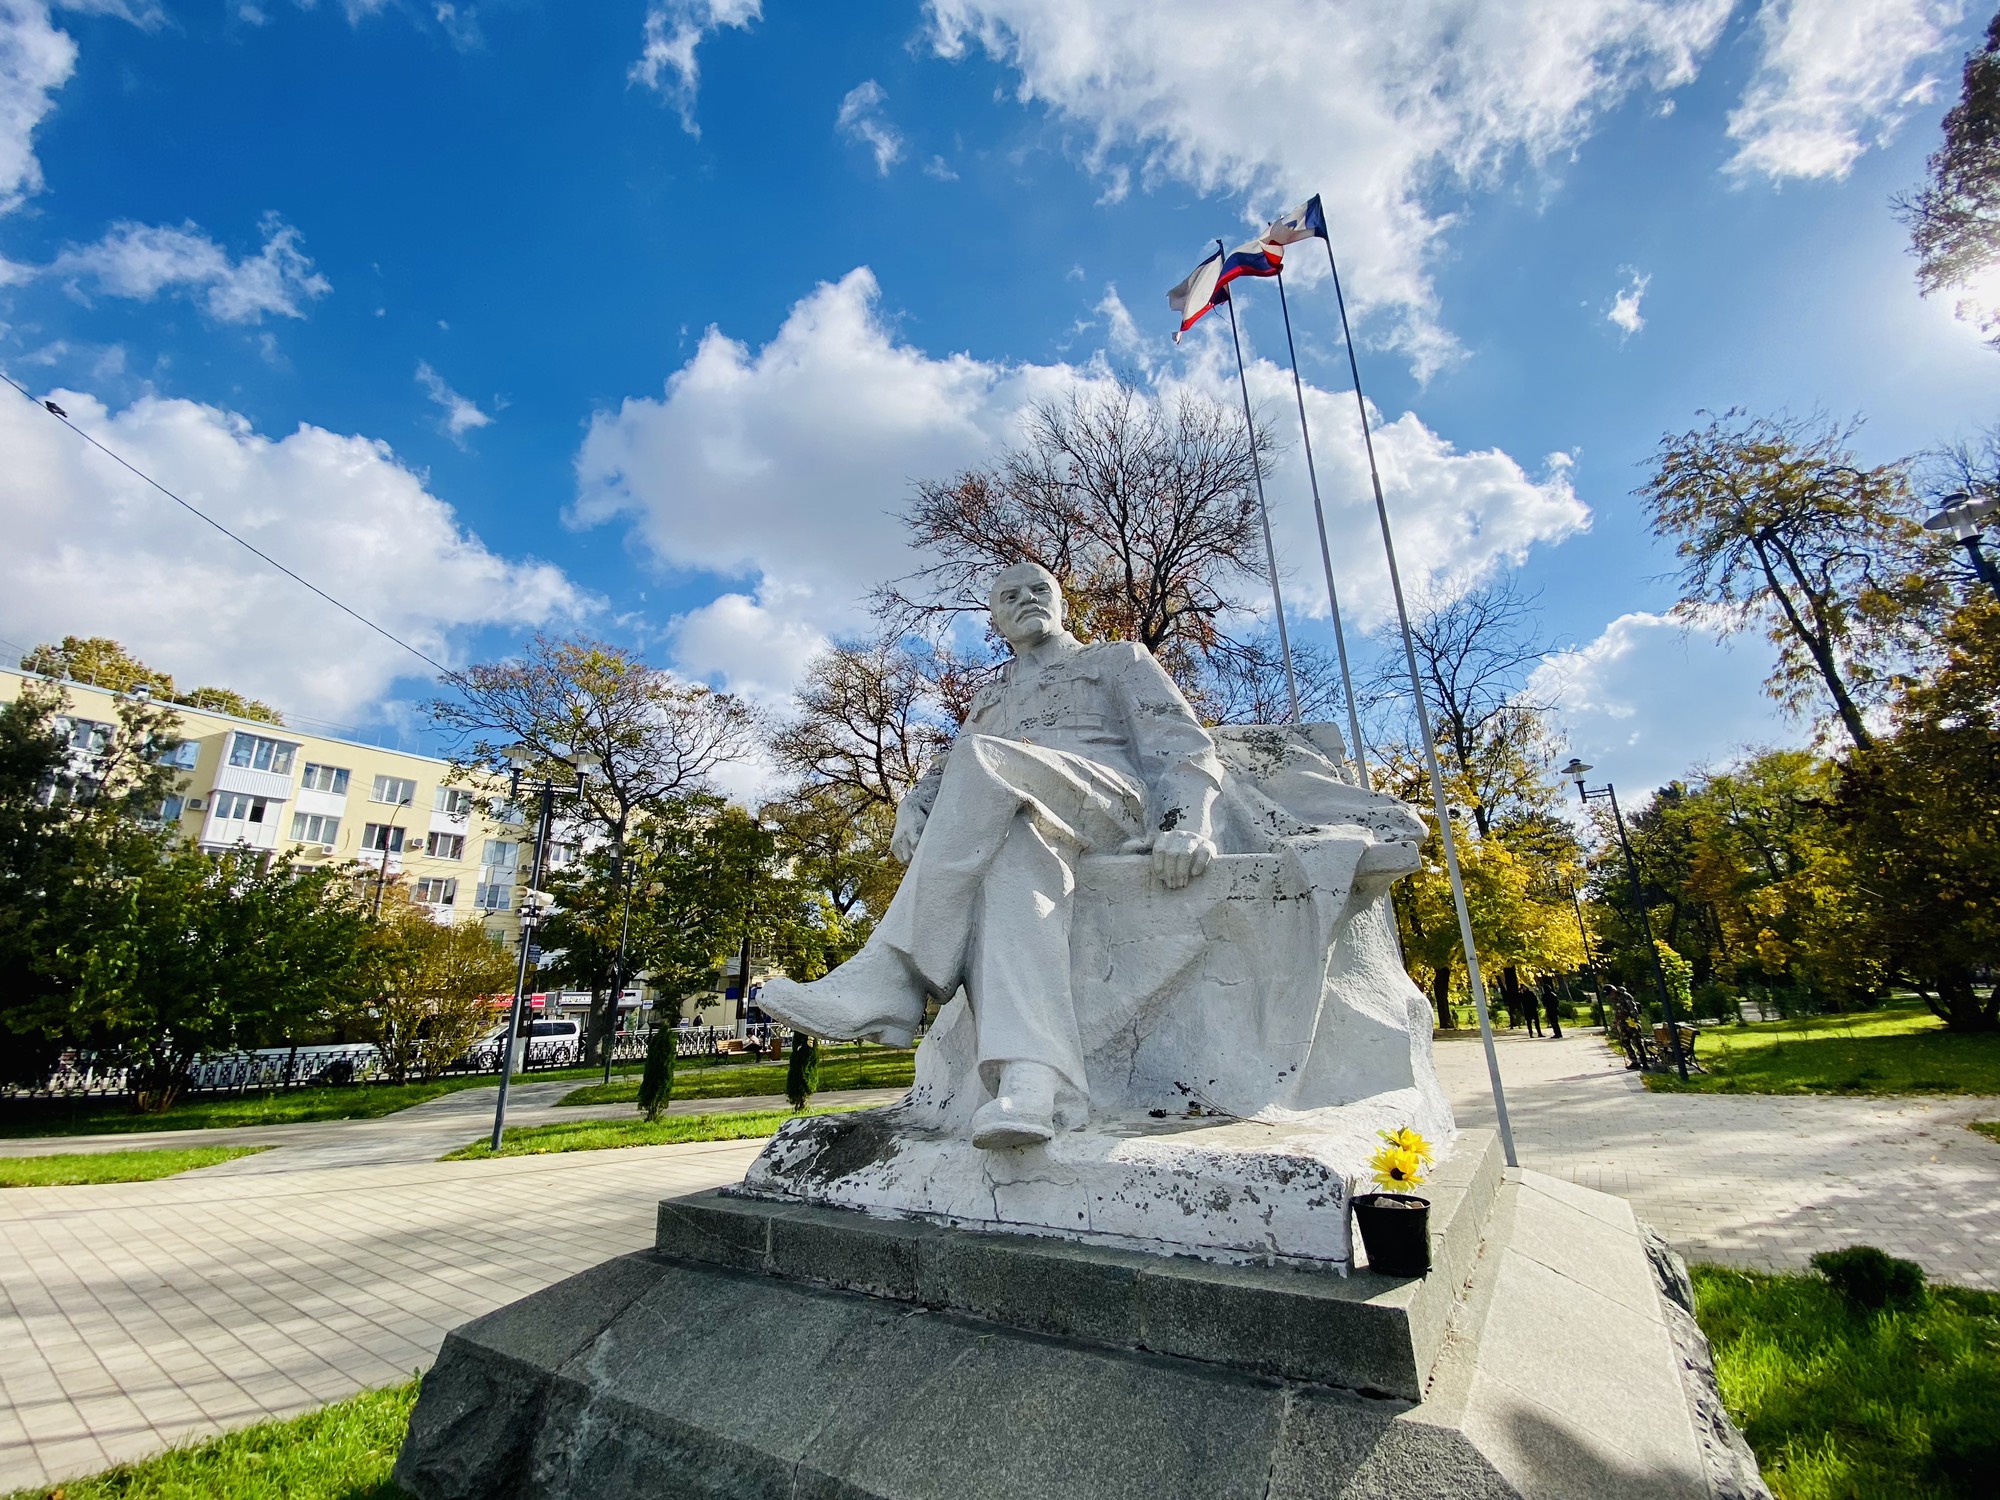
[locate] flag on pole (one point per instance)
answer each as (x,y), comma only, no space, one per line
(1306,222)
(1207,285)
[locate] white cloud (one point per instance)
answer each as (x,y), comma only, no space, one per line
(1836,76)
(1648,701)
(140,261)
(145,14)
(1376,107)
(91,550)
(783,468)
(1624,314)
(460,415)
(460,24)
(674,29)
(940,169)
(35,61)
(861,119)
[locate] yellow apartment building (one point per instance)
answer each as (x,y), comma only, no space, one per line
(281,789)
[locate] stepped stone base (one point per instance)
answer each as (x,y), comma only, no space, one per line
(766,1350)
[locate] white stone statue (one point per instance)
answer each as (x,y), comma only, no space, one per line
(1176,1011)
(1077,750)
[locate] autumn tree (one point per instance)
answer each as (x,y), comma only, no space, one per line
(102,662)
(1476,650)
(1921,810)
(1144,508)
(1954,218)
(654,740)
(1778,524)
(429,987)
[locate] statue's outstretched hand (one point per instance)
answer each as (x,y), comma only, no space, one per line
(911,815)
(1178,857)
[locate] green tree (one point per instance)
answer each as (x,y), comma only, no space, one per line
(1777,523)
(184,953)
(1954,218)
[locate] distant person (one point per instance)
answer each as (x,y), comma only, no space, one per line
(1521,1001)
(1552,1007)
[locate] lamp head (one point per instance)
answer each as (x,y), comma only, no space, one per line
(519,756)
(1575,771)
(1963,515)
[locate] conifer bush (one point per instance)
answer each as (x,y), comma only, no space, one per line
(656,1083)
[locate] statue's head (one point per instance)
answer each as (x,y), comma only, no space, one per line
(1027,604)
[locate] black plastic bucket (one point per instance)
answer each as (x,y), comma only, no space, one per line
(1396,1229)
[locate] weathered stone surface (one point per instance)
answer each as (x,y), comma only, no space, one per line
(657,1377)
(1363,1332)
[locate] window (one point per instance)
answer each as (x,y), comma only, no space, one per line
(500,854)
(312,828)
(326,779)
(255,753)
(85,734)
(453,802)
(239,807)
(169,811)
(559,856)
(181,754)
(447,846)
(493,897)
(437,890)
(381,838)
(393,790)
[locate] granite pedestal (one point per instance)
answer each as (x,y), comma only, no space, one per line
(766,1349)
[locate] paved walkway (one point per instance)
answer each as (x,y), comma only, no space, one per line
(146,1313)
(1747,1179)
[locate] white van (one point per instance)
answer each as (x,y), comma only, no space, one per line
(551,1044)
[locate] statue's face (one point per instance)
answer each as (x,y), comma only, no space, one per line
(1027,605)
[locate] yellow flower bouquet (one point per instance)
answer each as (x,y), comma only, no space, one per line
(1394,1223)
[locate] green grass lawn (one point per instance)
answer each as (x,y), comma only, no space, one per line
(1987,1128)
(841,1066)
(1875,1052)
(610,1135)
(357,1101)
(340,1452)
(113,1166)
(1902,1404)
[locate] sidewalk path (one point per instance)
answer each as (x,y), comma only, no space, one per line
(1751,1179)
(141,1314)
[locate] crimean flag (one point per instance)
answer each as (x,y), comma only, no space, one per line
(1306,222)
(1207,286)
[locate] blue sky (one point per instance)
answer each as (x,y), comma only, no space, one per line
(640,317)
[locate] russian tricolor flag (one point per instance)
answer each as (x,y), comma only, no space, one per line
(1208,284)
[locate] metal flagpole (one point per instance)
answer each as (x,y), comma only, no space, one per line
(1257,468)
(1477,984)
(1357,750)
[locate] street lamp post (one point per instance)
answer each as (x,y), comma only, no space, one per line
(1964,517)
(1589,957)
(618,970)
(520,757)
(382,869)
(1576,771)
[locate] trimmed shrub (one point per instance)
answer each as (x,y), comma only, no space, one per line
(1870,1278)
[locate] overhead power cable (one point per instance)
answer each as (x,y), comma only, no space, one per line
(63,417)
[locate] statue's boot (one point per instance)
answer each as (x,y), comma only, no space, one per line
(874,994)
(1024,1112)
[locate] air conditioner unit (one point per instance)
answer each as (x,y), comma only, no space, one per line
(195,804)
